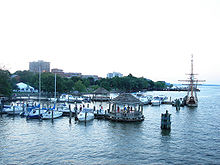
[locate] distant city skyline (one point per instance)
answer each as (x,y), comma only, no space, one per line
(151,39)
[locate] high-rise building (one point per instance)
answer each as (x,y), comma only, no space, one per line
(40,65)
(114,74)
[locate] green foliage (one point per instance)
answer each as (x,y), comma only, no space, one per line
(130,84)
(5,83)
(79,86)
(127,83)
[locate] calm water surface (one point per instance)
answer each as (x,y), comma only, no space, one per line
(193,139)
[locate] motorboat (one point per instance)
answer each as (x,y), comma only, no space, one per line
(37,113)
(146,99)
(5,107)
(49,114)
(63,98)
(64,109)
(14,110)
(100,113)
(28,109)
(156,101)
(162,98)
(86,114)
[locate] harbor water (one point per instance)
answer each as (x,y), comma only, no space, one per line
(194,137)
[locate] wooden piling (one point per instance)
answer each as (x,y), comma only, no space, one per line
(70,117)
(165,121)
(52,115)
(13,110)
(85,116)
(1,108)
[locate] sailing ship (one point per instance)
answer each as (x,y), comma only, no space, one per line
(191,97)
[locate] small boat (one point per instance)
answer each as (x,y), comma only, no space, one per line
(36,113)
(162,98)
(156,101)
(146,99)
(14,110)
(64,109)
(86,114)
(100,113)
(5,107)
(49,114)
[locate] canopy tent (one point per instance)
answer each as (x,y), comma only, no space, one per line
(22,87)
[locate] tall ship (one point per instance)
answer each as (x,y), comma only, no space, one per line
(191,97)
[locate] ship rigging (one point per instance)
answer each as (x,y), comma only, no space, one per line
(192,82)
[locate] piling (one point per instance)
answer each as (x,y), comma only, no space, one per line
(177,104)
(39,112)
(13,111)
(165,121)
(1,108)
(70,114)
(85,116)
(52,115)
(23,107)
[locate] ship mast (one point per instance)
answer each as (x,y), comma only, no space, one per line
(192,83)
(191,77)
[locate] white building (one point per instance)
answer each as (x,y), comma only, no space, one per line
(114,74)
(22,87)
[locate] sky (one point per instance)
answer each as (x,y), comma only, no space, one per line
(147,38)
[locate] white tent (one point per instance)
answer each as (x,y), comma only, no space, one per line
(22,87)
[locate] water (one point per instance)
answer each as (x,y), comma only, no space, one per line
(194,137)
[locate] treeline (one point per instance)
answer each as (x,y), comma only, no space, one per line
(68,85)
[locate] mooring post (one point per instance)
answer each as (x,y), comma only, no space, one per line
(85,116)
(23,107)
(13,111)
(1,107)
(52,115)
(39,113)
(70,114)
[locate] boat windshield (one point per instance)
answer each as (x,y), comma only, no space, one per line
(87,110)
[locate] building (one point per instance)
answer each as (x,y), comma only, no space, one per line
(40,65)
(58,72)
(114,74)
(95,77)
(70,74)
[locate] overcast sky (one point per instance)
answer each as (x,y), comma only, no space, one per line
(149,38)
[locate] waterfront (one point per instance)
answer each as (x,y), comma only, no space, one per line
(194,137)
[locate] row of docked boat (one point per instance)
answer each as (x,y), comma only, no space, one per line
(37,112)
(70,98)
(154,101)
(32,111)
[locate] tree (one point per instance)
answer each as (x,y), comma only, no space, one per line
(79,86)
(5,83)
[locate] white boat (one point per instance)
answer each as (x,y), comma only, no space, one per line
(146,99)
(64,109)
(28,109)
(86,114)
(14,110)
(63,98)
(162,98)
(67,98)
(5,107)
(51,113)
(156,101)
(36,113)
